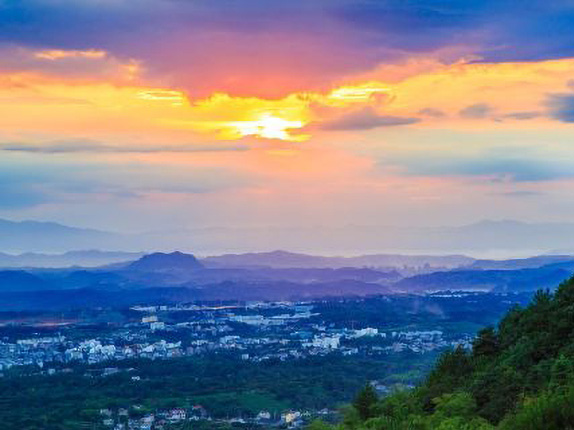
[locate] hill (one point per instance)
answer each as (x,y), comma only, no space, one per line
(520,263)
(285,259)
(19,280)
(489,280)
(519,375)
(160,261)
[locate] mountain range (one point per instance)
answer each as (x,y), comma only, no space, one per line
(284,259)
(179,277)
(484,238)
(88,258)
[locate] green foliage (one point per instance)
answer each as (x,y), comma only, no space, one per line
(365,402)
(452,372)
(222,384)
(548,411)
(519,376)
(486,343)
(318,425)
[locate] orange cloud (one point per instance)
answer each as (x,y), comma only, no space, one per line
(57,54)
(503,89)
(35,102)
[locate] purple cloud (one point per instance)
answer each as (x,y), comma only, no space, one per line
(367,119)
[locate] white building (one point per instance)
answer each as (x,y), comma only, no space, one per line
(331,342)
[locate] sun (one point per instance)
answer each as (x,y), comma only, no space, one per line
(268,126)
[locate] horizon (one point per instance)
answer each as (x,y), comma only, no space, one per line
(49,237)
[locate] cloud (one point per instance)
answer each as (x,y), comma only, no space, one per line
(522,115)
(58,54)
(19,197)
(476,111)
(432,112)
(521,194)
(367,119)
(394,21)
(89,146)
(273,48)
(492,28)
(33,180)
(561,107)
(499,165)
(72,64)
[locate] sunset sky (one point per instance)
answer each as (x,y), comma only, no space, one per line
(146,115)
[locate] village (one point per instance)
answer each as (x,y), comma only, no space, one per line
(134,419)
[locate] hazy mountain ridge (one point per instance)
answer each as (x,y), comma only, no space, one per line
(160,261)
(224,291)
(519,280)
(20,280)
(88,258)
(520,263)
(284,259)
(482,237)
(134,282)
(24,236)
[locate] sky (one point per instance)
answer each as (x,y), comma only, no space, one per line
(165,114)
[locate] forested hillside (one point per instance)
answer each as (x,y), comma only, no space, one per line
(519,375)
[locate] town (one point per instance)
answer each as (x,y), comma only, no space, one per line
(255,332)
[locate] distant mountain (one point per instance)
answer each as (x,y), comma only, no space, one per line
(91,258)
(89,298)
(284,290)
(19,280)
(80,279)
(284,259)
(520,263)
(273,259)
(308,275)
(520,280)
(159,262)
(380,243)
(11,300)
(489,237)
(34,236)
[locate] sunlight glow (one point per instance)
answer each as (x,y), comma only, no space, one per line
(359,93)
(268,126)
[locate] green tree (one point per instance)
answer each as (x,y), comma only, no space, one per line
(486,343)
(319,425)
(365,402)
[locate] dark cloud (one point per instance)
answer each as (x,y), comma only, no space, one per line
(561,107)
(366,119)
(252,47)
(231,45)
(476,111)
(394,21)
(492,26)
